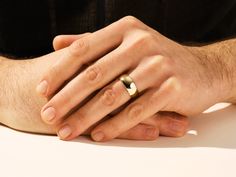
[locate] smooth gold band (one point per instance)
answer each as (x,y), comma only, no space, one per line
(129,85)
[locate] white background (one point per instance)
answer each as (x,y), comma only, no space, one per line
(209,150)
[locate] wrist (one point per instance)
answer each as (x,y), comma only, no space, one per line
(5,73)
(20,104)
(217,69)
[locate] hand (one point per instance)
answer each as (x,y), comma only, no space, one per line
(163,123)
(20,104)
(20,107)
(166,74)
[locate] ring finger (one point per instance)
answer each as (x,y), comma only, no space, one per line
(107,100)
(147,105)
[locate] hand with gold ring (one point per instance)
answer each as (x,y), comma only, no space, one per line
(168,77)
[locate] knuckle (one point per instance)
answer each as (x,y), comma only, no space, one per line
(156,63)
(174,85)
(130,22)
(79,47)
(144,39)
(93,74)
(164,65)
(147,41)
(159,59)
(135,111)
(108,97)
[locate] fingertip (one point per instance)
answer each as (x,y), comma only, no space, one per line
(62,41)
(98,136)
(48,115)
(57,42)
(64,132)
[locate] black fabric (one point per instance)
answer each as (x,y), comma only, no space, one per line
(27,27)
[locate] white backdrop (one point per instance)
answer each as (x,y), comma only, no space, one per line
(209,150)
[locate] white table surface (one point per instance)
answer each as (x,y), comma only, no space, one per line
(209,150)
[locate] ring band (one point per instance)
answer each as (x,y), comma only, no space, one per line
(129,85)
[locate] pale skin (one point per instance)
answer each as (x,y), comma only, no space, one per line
(170,77)
(20,105)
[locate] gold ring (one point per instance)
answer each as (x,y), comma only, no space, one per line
(129,85)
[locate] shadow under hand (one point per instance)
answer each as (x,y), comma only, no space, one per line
(215,129)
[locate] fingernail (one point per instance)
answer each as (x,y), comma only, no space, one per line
(98,136)
(42,87)
(176,126)
(64,132)
(49,114)
(151,132)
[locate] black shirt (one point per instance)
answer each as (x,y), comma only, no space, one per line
(27,27)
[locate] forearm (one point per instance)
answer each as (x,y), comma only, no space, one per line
(219,60)
(6,91)
(20,105)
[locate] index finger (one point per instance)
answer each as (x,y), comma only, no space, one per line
(81,52)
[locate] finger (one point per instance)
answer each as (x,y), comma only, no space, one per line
(80,52)
(173,124)
(62,41)
(164,123)
(141,132)
(92,79)
(93,111)
(107,100)
(145,106)
(169,123)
